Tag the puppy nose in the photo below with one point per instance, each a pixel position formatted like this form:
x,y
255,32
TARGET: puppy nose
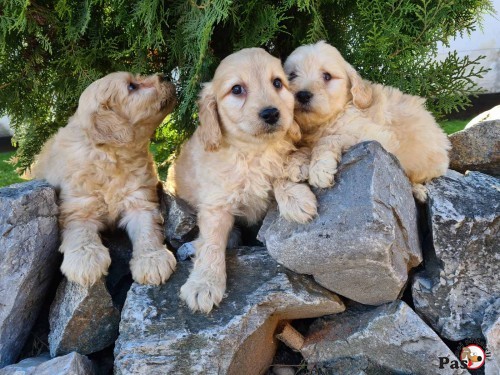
x,y
304,96
270,115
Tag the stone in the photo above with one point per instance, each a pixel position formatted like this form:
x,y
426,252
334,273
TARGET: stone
x,y
160,335
491,331
388,339
364,239
70,364
29,240
477,147
180,220
82,319
461,277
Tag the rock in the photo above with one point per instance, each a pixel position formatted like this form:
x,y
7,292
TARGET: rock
x,y
29,259
180,220
461,277
389,339
160,335
491,331
477,147
365,238
70,364
82,319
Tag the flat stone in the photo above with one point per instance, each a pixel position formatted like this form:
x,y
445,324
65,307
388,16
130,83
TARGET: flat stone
x,y
70,364
389,339
82,319
365,238
29,240
477,147
160,335
461,277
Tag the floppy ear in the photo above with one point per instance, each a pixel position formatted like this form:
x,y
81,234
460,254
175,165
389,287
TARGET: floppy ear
x,y
361,91
109,127
209,130
294,132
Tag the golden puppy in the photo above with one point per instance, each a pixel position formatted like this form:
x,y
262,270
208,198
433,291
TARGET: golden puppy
x,y
235,161
336,109
101,164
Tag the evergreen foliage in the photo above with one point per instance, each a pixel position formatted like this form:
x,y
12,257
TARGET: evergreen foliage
x,y
50,50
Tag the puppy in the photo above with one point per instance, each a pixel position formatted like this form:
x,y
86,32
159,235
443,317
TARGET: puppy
x,y
234,162
105,175
336,109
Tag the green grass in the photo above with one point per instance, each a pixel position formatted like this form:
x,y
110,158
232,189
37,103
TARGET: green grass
x,y
7,173
453,126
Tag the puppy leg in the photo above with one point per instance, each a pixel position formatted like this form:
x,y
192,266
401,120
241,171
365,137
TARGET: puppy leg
x,y
296,202
86,259
326,155
151,262
419,192
297,165
206,284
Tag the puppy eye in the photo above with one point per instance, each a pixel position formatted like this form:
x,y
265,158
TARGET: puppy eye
x,y
292,76
132,86
327,76
237,90
277,83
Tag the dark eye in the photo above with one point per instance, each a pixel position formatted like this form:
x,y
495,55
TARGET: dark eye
x,y
237,90
292,76
132,86
277,83
327,76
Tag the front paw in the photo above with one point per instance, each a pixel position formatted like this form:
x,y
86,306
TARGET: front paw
x,y
298,172
86,264
300,206
153,267
202,293
321,173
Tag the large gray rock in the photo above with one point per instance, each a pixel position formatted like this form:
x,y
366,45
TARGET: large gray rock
x,y
82,319
71,364
180,220
365,237
160,335
28,260
477,147
491,331
461,277
389,339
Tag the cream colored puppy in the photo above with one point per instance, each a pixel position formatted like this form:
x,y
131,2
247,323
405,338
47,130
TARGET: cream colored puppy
x,y
105,175
336,109
234,162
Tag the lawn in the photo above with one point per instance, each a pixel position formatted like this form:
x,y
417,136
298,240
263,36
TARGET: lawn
x,y
7,174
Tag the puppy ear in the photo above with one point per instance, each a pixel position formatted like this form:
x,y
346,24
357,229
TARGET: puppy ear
x,y
209,130
294,132
109,127
361,91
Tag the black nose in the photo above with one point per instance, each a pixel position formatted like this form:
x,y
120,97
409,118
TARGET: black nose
x,y
270,115
304,96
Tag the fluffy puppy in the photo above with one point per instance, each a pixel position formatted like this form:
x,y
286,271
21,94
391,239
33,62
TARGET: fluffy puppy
x,y
105,175
235,161
336,109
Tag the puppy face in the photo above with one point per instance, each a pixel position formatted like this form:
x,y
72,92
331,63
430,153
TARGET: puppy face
x,y
248,100
121,108
323,83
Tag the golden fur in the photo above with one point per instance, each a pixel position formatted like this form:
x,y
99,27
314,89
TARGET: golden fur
x,y
346,110
105,175
234,162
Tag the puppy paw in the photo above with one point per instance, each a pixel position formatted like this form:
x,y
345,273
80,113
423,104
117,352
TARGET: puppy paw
x,y
203,293
297,172
300,205
152,267
419,192
86,264
321,173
